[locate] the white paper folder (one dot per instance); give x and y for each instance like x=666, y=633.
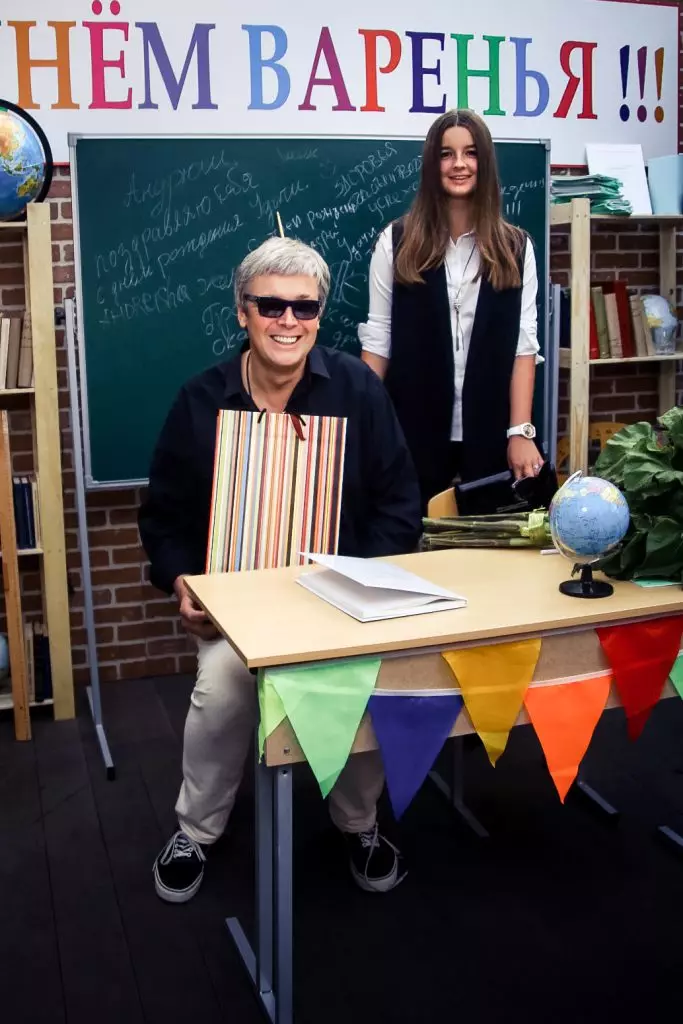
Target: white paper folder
x=370, y=590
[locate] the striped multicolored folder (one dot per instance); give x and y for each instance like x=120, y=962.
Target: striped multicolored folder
x=276, y=489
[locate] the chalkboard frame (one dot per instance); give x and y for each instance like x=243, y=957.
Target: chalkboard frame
x=91, y=484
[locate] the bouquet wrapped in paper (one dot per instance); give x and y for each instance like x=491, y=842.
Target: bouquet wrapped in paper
x=513, y=530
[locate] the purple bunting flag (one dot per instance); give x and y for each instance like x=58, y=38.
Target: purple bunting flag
x=411, y=731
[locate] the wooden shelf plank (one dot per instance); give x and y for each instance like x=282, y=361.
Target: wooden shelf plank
x=566, y=358
x=11, y=392
x=561, y=213
x=6, y=702
x=40, y=286
x=8, y=225
x=12, y=587
x=27, y=551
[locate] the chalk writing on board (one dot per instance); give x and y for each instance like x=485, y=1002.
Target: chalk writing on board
x=219, y=207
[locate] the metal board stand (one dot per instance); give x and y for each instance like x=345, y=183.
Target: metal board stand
x=270, y=966
x=94, y=695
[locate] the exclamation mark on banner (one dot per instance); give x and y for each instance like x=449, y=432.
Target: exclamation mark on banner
x=659, y=75
x=624, y=55
x=642, y=64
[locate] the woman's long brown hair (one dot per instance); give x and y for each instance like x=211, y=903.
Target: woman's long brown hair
x=426, y=229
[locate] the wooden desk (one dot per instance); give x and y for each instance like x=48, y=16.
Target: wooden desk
x=271, y=621
x=510, y=594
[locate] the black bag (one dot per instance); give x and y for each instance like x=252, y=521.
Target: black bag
x=501, y=493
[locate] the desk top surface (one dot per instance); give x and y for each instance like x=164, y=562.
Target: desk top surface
x=270, y=620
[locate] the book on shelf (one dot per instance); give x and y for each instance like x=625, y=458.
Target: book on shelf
x=566, y=324
x=613, y=329
x=26, y=511
x=618, y=326
x=624, y=325
x=15, y=340
x=599, y=308
x=38, y=665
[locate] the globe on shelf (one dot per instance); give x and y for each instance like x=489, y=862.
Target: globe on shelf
x=588, y=517
x=25, y=161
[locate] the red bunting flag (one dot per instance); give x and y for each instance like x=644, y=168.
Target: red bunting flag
x=641, y=655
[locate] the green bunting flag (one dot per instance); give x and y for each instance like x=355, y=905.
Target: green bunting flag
x=676, y=675
x=272, y=711
x=324, y=704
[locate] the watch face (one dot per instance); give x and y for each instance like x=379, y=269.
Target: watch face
x=528, y=430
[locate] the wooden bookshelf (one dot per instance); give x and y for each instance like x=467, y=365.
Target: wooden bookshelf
x=577, y=216
x=42, y=402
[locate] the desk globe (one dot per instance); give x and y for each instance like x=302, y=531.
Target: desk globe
x=588, y=517
x=25, y=161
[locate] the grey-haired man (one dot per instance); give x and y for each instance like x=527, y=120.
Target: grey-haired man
x=280, y=294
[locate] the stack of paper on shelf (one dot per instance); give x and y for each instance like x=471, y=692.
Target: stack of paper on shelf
x=604, y=193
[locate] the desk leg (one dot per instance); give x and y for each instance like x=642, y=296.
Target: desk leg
x=454, y=793
x=674, y=840
x=610, y=812
x=270, y=967
x=284, y=924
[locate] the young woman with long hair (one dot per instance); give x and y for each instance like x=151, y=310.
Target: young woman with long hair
x=452, y=320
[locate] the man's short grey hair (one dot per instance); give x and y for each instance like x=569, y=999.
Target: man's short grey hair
x=285, y=257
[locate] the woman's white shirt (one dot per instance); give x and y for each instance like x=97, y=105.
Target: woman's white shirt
x=462, y=268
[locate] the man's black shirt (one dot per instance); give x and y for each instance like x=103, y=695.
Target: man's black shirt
x=380, y=509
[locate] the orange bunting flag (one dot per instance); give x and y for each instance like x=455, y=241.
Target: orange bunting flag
x=493, y=680
x=565, y=716
x=641, y=655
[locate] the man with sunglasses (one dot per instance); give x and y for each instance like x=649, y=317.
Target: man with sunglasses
x=280, y=294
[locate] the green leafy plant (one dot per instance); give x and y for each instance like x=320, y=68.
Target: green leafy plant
x=646, y=464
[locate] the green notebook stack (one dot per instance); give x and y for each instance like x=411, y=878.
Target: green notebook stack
x=604, y=193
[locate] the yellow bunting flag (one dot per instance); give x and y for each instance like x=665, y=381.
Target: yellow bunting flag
x=493, y=680
x=564, y=717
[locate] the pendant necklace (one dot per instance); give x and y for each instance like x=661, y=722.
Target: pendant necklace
x=457, y=301
x=298, y=422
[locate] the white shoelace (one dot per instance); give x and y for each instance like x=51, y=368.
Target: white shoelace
x=370, y=841
x=180, y=847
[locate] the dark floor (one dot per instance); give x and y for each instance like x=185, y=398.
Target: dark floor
x=560, y=918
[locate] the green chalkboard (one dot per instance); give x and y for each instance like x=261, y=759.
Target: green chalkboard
x=163, y=222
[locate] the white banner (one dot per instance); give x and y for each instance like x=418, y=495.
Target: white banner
x=572, y=72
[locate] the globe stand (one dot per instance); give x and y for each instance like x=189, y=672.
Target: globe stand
x=586, y=586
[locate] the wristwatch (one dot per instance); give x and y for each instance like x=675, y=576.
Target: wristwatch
x=524, y=430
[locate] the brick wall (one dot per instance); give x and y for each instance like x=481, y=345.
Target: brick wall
x=138, y=632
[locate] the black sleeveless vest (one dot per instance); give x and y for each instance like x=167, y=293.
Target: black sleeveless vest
x=421, y=376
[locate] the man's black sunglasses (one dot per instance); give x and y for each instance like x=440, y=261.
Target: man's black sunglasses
x=273, y=307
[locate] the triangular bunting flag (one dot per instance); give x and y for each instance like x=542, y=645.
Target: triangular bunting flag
x=642, y=655
x=564, y=717
x=325, y=704
x=676, y=675
x=493, y=680
x=411, y=731
x=271, y=708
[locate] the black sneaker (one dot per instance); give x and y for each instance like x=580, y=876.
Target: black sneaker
x=179, y=869
x=374, y=861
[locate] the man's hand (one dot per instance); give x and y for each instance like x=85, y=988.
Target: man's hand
x=192, y=616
